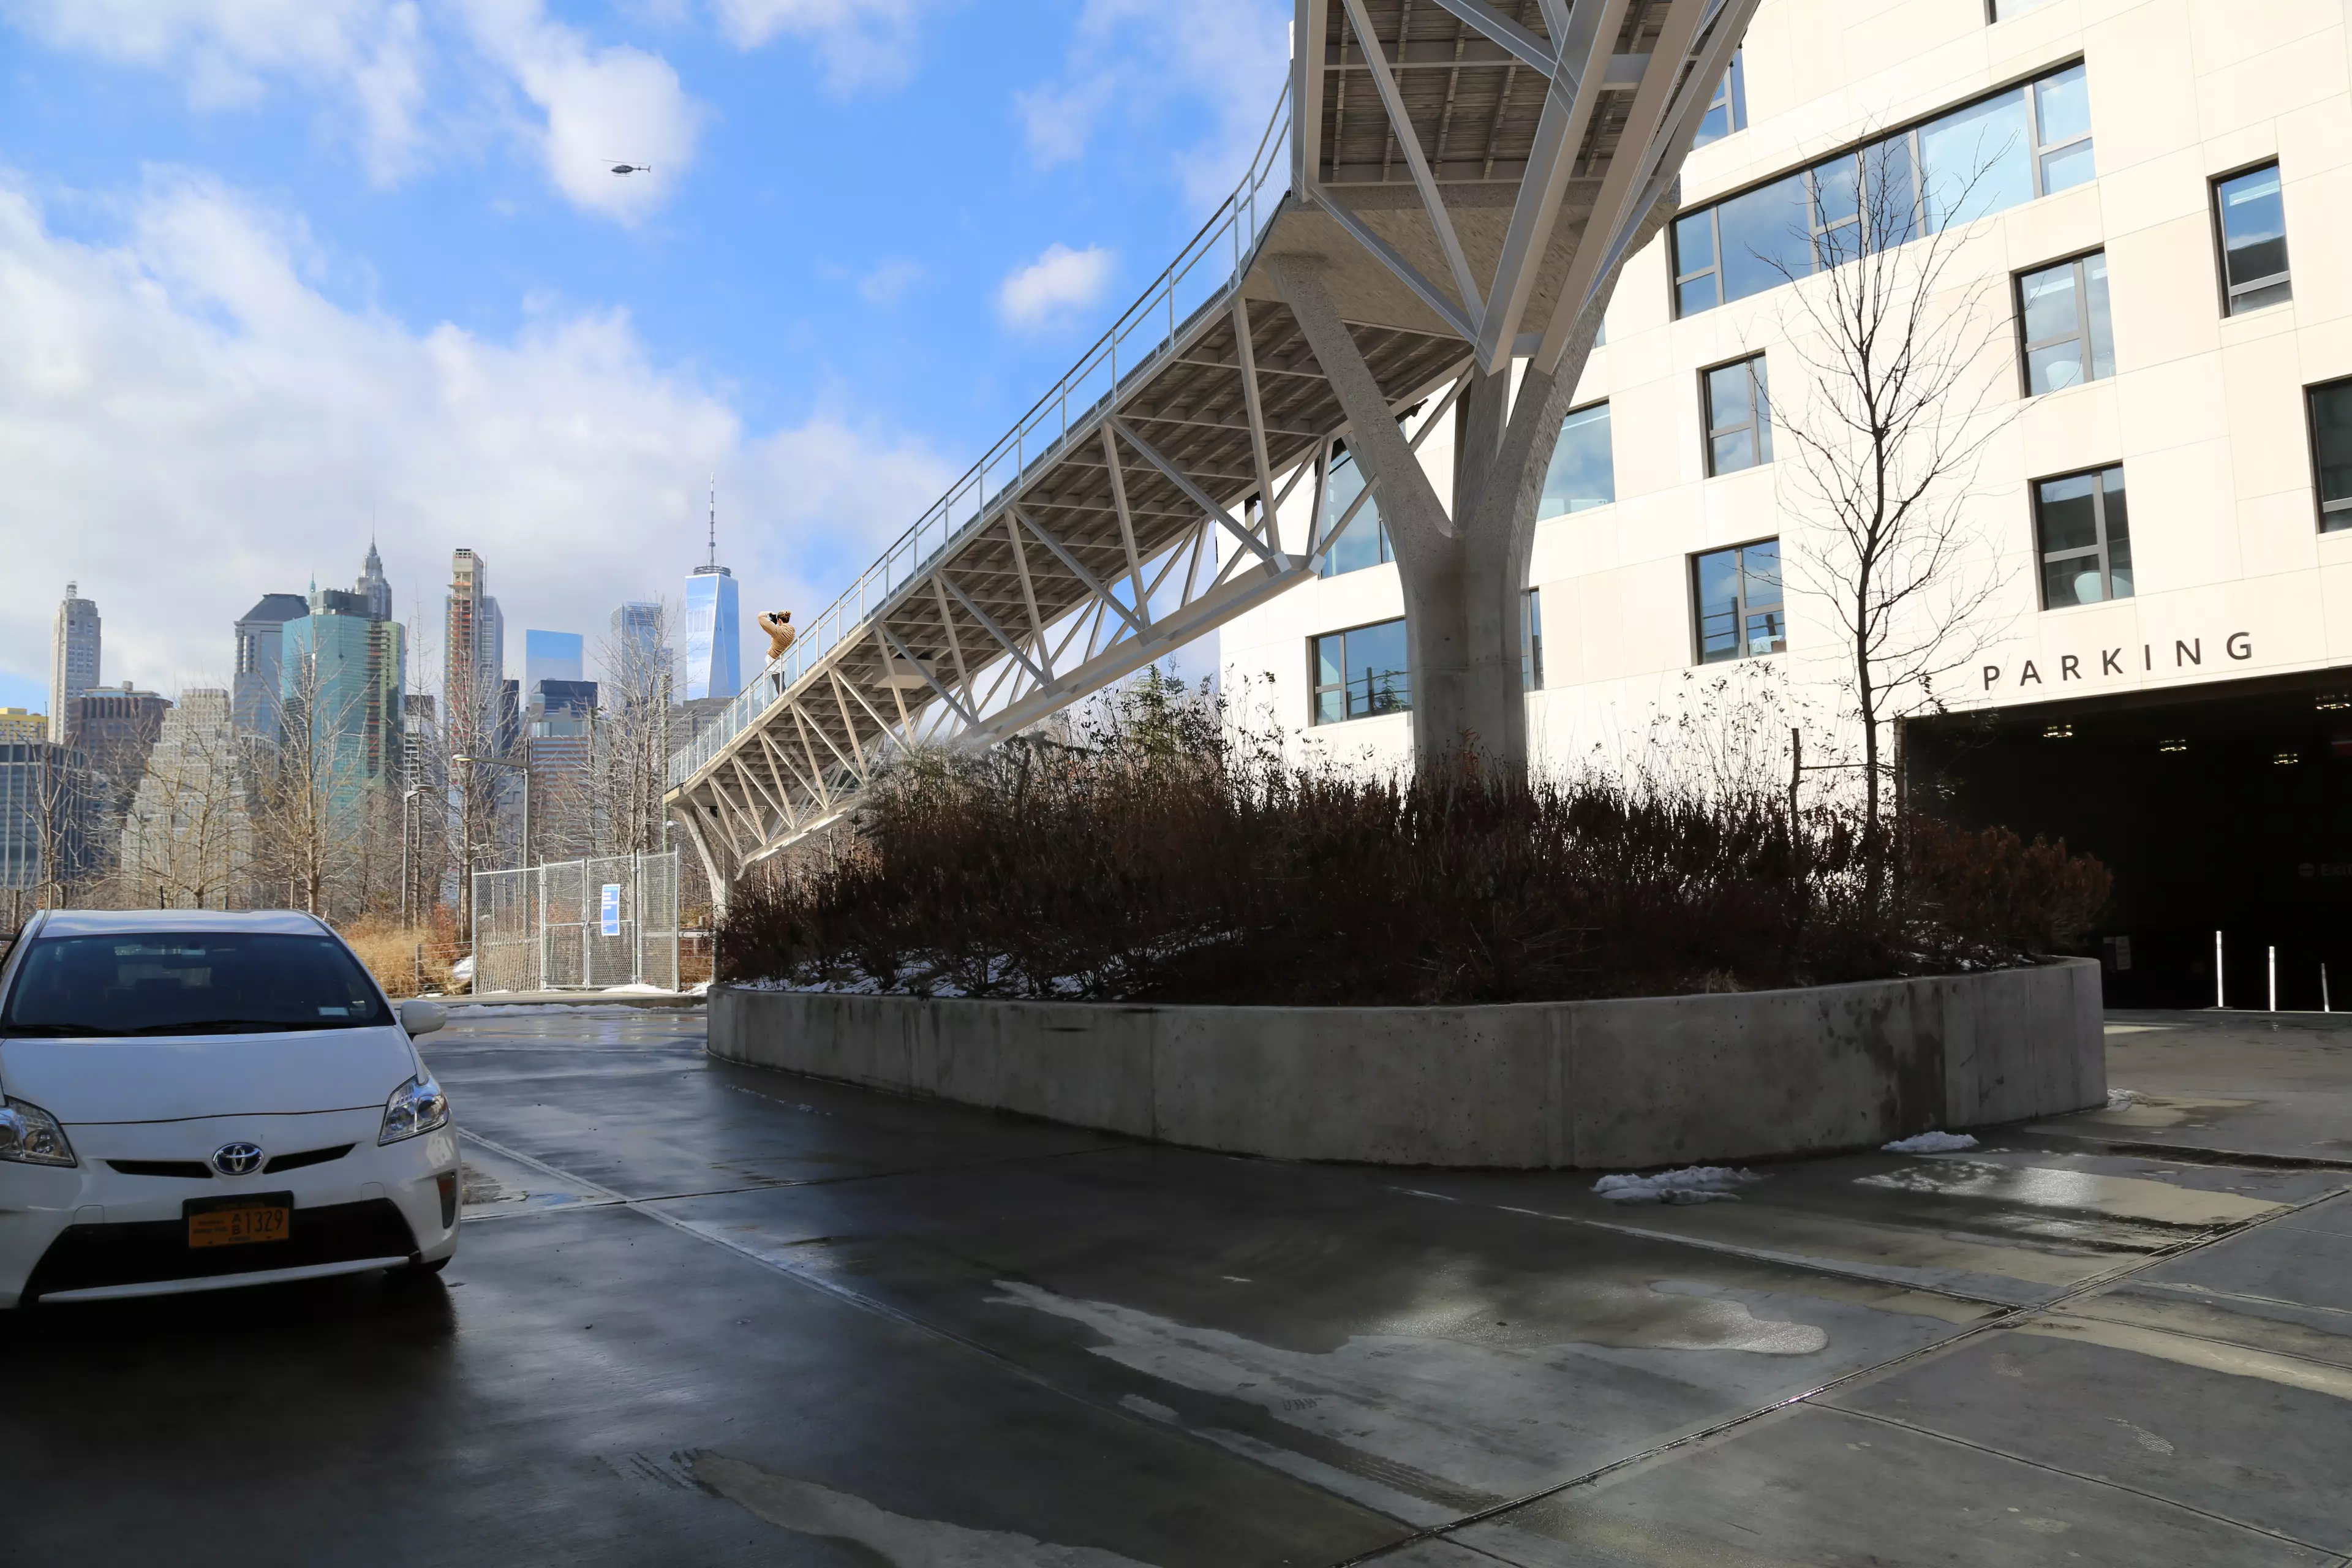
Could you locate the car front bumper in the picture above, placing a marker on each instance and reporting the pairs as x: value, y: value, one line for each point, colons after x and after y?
x: 100, y: 1229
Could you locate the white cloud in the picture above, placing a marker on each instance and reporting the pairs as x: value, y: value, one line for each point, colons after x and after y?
x: 601, y: 106
x: 1055, y: 287
x: 860, y: 41
x: 186, y: 424
x: 1134, y: 58
x: 373, y: 61
x: 231, y: 51
x: 887, y: 282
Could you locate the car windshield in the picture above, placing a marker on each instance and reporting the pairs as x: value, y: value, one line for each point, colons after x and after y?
x: 191, y: 982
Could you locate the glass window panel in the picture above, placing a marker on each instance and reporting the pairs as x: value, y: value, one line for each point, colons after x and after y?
x: 2069, y: 518
x: 2002, y: 10
x: 2331, y: 435
x: 2103, y: 334
x: 2052, y: 310
x: 2118, y: 525
x: 1763, y: 410
x: 1760, y: 568
x: 1726, y: 396
x: 1330, y: 706
x: 1531, y: 642
x: 1330, y: 661
x: 2061, y: 104
x: 2055, y: 368
x: 1582, y: 474
x: 2119, y: 575
x: 2073, y: 581
x: 1887, y: 168
x: 1377, y: 679
x: 1837, y: 191
x: 1365, y: 542
x: 1718, y: 606
x: 1696, y: 295
x: 1716, y: 124
x: 1978, y: 159
x: 2068, y: 167
x: 1766, y: 240
x: 2255, y: 298
x: 1733, y: 452
x: 1693, y: 243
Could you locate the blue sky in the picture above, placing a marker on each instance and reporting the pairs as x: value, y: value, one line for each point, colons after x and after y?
x: 273, y: 272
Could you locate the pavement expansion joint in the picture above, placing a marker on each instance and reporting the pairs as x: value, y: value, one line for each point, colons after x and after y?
x: 2109, y: 1482
x: 2009, y: 1318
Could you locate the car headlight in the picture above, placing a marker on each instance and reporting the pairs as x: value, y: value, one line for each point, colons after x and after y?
x: 416, y: 1106
x: 30, y: 1135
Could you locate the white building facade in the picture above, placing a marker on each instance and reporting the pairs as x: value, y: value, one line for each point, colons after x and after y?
x: 2161, y: 670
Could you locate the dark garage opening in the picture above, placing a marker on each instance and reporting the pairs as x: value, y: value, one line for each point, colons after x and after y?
x: 2223, y: 807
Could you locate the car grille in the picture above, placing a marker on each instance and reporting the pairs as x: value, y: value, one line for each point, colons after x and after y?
x: 197, y: 1171
x: 85, y: 1256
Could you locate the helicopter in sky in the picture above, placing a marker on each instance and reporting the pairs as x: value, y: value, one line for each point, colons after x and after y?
x: 622, y: 168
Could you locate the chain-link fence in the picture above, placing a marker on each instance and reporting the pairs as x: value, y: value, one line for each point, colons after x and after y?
x: 579, y: 925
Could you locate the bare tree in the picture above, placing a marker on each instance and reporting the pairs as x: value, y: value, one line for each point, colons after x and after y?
x: 632, y: 739
x: 1900, y: 369
x: 307, y: 793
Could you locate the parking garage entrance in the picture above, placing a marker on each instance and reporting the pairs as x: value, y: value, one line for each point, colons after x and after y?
x: 2223, y: 807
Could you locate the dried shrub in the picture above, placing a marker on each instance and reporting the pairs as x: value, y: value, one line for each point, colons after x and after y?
x: 401, y: 956
x: 1162, y: 855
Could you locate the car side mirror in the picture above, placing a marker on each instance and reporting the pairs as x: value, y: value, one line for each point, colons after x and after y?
x: 419, y: 1016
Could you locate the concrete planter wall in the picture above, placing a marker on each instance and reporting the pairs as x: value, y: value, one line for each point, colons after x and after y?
x: 1665, y: 1081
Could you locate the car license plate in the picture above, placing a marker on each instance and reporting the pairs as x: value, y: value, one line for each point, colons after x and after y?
x: 235, y: 1225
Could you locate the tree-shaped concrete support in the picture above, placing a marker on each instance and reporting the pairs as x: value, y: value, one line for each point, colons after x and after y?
x: 1463, y: 567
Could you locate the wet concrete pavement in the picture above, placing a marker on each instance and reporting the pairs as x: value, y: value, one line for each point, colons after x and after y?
x: 711, y: 1314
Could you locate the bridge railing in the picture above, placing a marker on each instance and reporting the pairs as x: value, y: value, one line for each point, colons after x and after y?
x: 1212, y: 260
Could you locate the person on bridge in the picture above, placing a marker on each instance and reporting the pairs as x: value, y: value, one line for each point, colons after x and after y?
x: 778, y: 625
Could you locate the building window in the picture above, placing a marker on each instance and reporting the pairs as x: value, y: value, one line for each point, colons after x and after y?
x: 1361, y: 672
x: 1582, y: 474
x: 2331, y: 452
x: 1531, y: 642
x: 2002, y: 10
x: 2062, y: 315
x: 1739, y: 416
x: 2251, y: 219
x: 1727, y: 110
x: 1983, y: 157
x: 1738, y: 596
x: 1363, y: 539
x: 2086, y: 538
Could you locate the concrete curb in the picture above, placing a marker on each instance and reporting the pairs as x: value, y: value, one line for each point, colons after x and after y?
x: 1621, y: 1084
x: 572, y: 999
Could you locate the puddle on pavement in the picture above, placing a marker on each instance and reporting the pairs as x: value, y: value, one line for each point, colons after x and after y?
x: 2081, y: 1191
x: 1663, y: 1315
x: 2238, y: 1361
x: 2153, y: 1111
x: 808, y: 1509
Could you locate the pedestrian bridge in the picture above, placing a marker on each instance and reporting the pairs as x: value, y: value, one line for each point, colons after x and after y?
x: 1468, y: 173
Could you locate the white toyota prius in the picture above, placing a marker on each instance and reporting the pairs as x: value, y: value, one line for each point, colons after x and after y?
x: 196, y: 1100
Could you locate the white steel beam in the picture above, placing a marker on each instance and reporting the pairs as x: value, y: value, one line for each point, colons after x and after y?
x: 1401, y: 125
x: 1192, y: 492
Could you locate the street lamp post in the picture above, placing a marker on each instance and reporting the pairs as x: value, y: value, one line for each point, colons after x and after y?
x: 407, y: 876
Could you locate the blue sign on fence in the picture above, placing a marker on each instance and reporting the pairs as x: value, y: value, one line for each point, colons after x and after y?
x: 612, y: 908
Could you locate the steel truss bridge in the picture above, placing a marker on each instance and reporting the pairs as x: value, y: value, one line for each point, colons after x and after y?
x: 1468, y: 172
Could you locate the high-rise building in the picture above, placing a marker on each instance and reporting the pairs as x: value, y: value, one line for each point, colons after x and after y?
x: 109, y: 734
x: 552, y: 655
x: 22, y: 724
x: 714, y: 629
x: 473, y: 651
x: 261, y: 637
x: 44, y: 815
x: 73, y: 656
x: 638, y: 664
x: 373, y: 587
x: 344, y: 675
x: 186, y: 839
x: 561, y: 747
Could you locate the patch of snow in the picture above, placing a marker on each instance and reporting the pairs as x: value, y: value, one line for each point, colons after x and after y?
x: 1691, y: 1184
x: 1930, y: 1143
x: 2120, y: 1098
x: 635, y: 988
x: 531, y: 1009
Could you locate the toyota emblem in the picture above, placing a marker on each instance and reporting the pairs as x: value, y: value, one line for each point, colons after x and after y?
x: 237, y: 1159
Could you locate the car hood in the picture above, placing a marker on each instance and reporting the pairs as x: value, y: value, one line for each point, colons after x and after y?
x: 210, y: 1075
